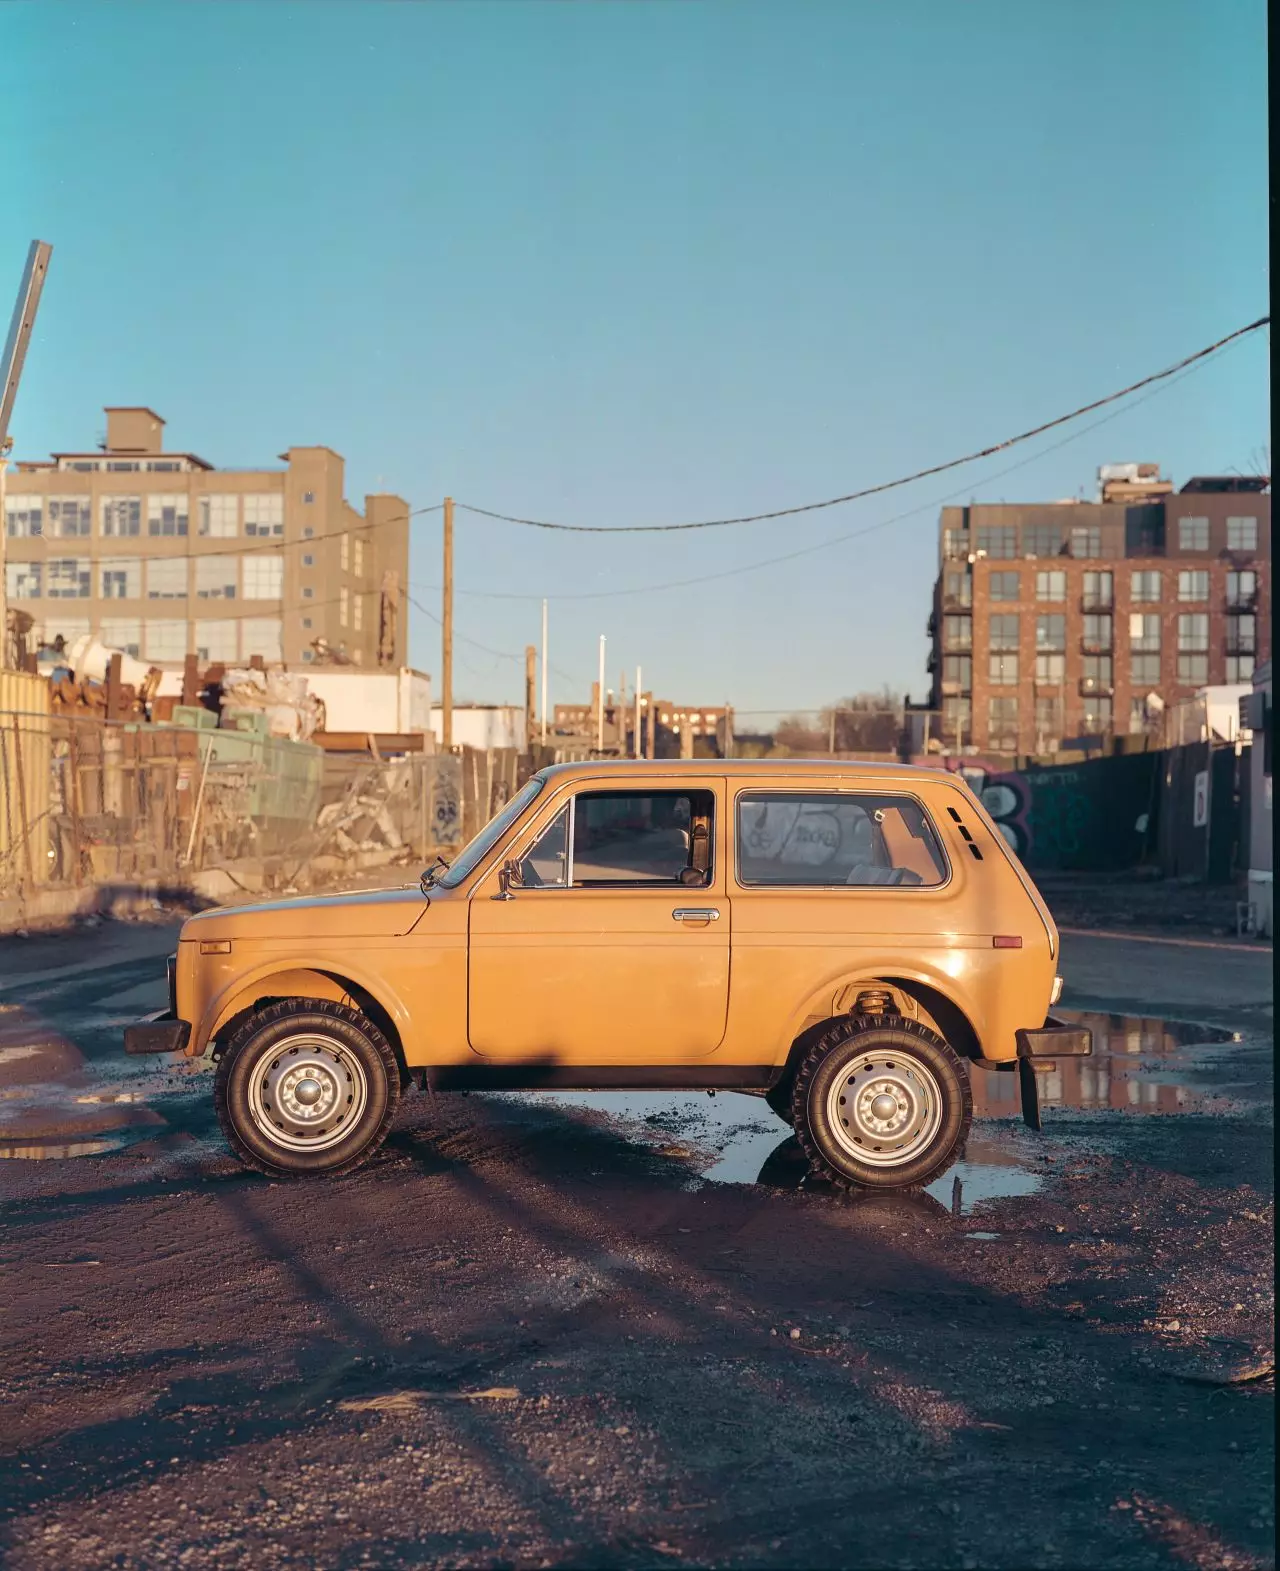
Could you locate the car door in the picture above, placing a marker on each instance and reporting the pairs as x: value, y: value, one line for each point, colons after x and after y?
x: 613, y: 948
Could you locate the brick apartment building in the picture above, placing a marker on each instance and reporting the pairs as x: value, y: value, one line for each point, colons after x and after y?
x: 1057, y: 621
x: 159, y: 554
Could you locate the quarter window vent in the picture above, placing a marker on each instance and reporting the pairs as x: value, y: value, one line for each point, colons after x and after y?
x: 965, y: 835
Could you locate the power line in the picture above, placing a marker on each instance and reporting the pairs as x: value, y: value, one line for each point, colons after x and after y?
x: 886, y: 485
x: 830, y: 540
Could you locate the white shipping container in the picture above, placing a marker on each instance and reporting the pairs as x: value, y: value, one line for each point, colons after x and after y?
x: 483, y: 726
x: 386, y: 702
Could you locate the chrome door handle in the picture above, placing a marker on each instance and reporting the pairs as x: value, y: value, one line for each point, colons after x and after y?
x: 695, y: 914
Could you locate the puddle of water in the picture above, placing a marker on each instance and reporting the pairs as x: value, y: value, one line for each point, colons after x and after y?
x: 56, y: 1153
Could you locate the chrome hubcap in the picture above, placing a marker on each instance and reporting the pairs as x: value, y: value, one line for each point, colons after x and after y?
x: 884, y: 1108
x: 307, y: 1093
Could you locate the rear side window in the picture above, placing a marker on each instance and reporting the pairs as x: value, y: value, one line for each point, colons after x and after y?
x: 819, y: 839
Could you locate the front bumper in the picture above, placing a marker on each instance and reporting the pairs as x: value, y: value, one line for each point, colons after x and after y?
x: 158, y: 1033
x: 1038, y: 1052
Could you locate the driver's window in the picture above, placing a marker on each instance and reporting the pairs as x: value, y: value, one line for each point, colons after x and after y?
x: 546, y: 864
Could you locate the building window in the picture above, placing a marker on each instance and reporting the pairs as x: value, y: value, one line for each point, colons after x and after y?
x: 69, y: 517
x: 999, y: 541
x: 1144, y: 631
x: 164, y: 641
x: 22, y: 580
x: 122, y: 466
x: 1145, y: 586
x: 1241, y: 635
x: 1242, y: 590
x: 261, y: 636
x: 957, y: 717
x: 216, y: 577
x: 264, y: 515
x: 1041, y: 540
x: 1097, y: 631
x: 263, y: 577
x: 1193, y: 586
x: 357, y: 558
x: 167, y: 578
x: 1002, y: 670
x: 1086, y: 541
x: 68, y: 578
x: 217, y: 639
x: 1095, y: 674
x: 121, y: 516
x: 1193, y: 534
x: 1048, y: 723
x: 1239, y: 668
x: 1242, y: 534
x: 957, y: 587
x: 1003, y: 586
x: 167, y: 515
x: 957, y: 632
x: 1144, y: 670
x: 220, y: 517
x: 357, y: 614
x: 1097, y: 592
x: 1193, y: 670
x: 121, y: 578
x: 1097, y: 716
x: 67, y: 628
x: 308, y: 532
x: 344, y: 604
x: 1051, y: 668
x: 1002, y: 631
x: 344, y: 551
x: 306, y: 622
x: 1002, y: 724
x: 1193, y: 631
x: 308, y: 497
x: 955, y: 545
x: 957, y: 670
x: 1051, y: 586
x: 308, y: 593
x: 308, y: 561
x: 23, y: 517
x: 123, y: 633
x: 1051, y: 632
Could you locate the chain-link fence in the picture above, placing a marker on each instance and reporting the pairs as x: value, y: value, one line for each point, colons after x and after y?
x: 84, y: 801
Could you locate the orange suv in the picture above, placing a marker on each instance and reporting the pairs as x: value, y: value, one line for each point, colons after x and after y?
x: 851, y: 941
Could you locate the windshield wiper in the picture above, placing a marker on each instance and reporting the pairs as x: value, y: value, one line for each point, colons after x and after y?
x: 428, y: 880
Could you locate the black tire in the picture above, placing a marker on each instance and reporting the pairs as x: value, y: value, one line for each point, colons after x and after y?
x: 932, y: 1083
x: 357, y: 1072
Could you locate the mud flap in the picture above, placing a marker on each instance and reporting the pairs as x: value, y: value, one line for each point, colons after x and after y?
x: 1030, y: 1093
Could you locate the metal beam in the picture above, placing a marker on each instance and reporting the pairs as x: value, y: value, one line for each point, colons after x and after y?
x: 15, y: 346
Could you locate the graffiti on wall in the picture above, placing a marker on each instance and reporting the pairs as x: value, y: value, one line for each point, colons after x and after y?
x: 1092, y: 815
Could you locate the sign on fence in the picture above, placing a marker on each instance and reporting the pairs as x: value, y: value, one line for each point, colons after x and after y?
x: 1200, y: 801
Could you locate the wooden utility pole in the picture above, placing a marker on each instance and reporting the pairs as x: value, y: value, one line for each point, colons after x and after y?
x: 446, y: 623
x: 530, y: 669
x: 544, y: 670
x: 600, y: 702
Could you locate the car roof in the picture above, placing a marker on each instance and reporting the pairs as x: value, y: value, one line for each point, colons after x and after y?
x: 758, y: 769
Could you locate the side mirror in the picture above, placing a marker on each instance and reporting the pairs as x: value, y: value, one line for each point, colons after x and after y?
x: 509, y: 878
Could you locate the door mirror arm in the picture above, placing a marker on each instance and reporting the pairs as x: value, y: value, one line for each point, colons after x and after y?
x: 509, y: 879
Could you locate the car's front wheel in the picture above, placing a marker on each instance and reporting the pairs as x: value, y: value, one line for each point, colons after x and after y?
x: 306, y: 1086
x: 881, y: 1103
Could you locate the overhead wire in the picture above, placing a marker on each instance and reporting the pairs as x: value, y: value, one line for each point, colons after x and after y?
x: 885, y: 485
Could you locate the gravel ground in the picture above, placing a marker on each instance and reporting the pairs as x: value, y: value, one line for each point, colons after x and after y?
x: 530, y: 1335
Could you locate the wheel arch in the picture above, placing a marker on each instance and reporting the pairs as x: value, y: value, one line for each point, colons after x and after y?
x: 304, y: 982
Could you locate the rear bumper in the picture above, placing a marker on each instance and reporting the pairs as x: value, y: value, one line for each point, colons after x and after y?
x: 158, y: 1033
x: 1055, y: 1039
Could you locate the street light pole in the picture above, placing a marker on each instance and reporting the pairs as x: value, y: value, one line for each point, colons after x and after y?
x: 544, y: 671
x: 600, y: 702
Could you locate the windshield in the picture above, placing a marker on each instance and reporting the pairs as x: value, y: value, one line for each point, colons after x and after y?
x: 471, y: 855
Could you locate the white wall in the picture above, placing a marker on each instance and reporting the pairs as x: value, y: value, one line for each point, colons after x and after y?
x: 382, y: 701
x: 483, y: 725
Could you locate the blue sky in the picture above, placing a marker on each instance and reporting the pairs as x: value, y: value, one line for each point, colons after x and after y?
x: 623, y: 263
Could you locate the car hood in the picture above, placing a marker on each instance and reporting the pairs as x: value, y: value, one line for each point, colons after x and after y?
x: 366, y: 913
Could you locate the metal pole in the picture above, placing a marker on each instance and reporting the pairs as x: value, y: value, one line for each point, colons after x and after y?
x: 544, y: 670
x: 446, y: 666
x: 639, y: 716
x: 600, y: 702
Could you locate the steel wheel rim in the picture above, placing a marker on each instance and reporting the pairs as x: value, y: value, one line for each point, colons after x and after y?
x: 307, y: 1093
x: 884, y: 1108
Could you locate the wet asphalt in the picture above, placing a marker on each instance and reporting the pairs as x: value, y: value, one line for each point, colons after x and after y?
x: 571, y: 1330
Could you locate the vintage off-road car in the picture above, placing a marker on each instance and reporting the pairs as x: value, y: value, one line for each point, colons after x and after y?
x: 850, y: 940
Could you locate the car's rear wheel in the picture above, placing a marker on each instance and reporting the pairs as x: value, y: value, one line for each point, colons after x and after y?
x: 881, y: 1103
x: 306, y: 1086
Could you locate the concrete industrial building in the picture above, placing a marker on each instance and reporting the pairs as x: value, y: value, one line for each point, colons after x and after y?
x: 1060, y: 621
x: 159, y: 554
